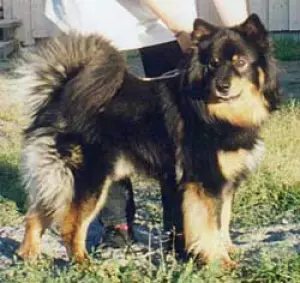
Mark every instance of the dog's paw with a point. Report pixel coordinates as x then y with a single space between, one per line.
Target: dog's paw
28 252
206 257
228 264
80 256
231 248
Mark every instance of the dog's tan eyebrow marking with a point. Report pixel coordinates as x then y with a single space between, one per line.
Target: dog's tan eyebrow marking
237 57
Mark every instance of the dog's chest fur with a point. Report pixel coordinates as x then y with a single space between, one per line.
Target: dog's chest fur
216 156
234 163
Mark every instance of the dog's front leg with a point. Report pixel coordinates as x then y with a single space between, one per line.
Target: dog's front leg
201 225
168 188
227 201
172 216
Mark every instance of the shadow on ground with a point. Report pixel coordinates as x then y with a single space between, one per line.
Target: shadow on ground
10 185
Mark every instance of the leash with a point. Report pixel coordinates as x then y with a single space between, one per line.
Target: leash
168 75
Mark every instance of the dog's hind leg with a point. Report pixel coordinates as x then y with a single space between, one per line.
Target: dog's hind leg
200 224
49 186
78 216
36 224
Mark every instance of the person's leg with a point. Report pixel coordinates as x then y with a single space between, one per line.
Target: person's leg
118 214
160 58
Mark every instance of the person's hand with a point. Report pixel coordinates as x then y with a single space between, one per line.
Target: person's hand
184 40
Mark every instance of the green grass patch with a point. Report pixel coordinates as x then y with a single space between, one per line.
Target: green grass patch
260 269
272 194
12 197
287 49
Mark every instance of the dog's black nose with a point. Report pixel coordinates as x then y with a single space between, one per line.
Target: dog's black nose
223 86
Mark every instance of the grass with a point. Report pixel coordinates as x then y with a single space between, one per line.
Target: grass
261 269
287 49
272 194
11 193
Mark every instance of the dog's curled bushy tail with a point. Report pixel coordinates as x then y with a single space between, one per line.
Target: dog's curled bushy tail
95 67
72 76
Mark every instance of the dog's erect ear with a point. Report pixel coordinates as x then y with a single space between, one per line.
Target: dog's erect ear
253 29
202 28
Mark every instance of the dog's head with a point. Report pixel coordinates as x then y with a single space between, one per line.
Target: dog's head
232 72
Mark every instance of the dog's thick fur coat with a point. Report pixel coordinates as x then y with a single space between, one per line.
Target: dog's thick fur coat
93 123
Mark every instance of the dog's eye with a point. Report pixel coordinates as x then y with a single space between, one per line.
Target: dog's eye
214 63
241 63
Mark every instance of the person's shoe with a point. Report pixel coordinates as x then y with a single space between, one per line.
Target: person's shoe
117 236
118 242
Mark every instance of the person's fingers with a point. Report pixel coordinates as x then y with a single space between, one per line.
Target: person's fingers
184 40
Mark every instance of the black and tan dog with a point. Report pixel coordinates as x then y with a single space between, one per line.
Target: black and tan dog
93 123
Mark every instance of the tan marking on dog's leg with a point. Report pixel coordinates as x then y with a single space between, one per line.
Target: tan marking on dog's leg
201 233
76 221
36 224
68 226
227 200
